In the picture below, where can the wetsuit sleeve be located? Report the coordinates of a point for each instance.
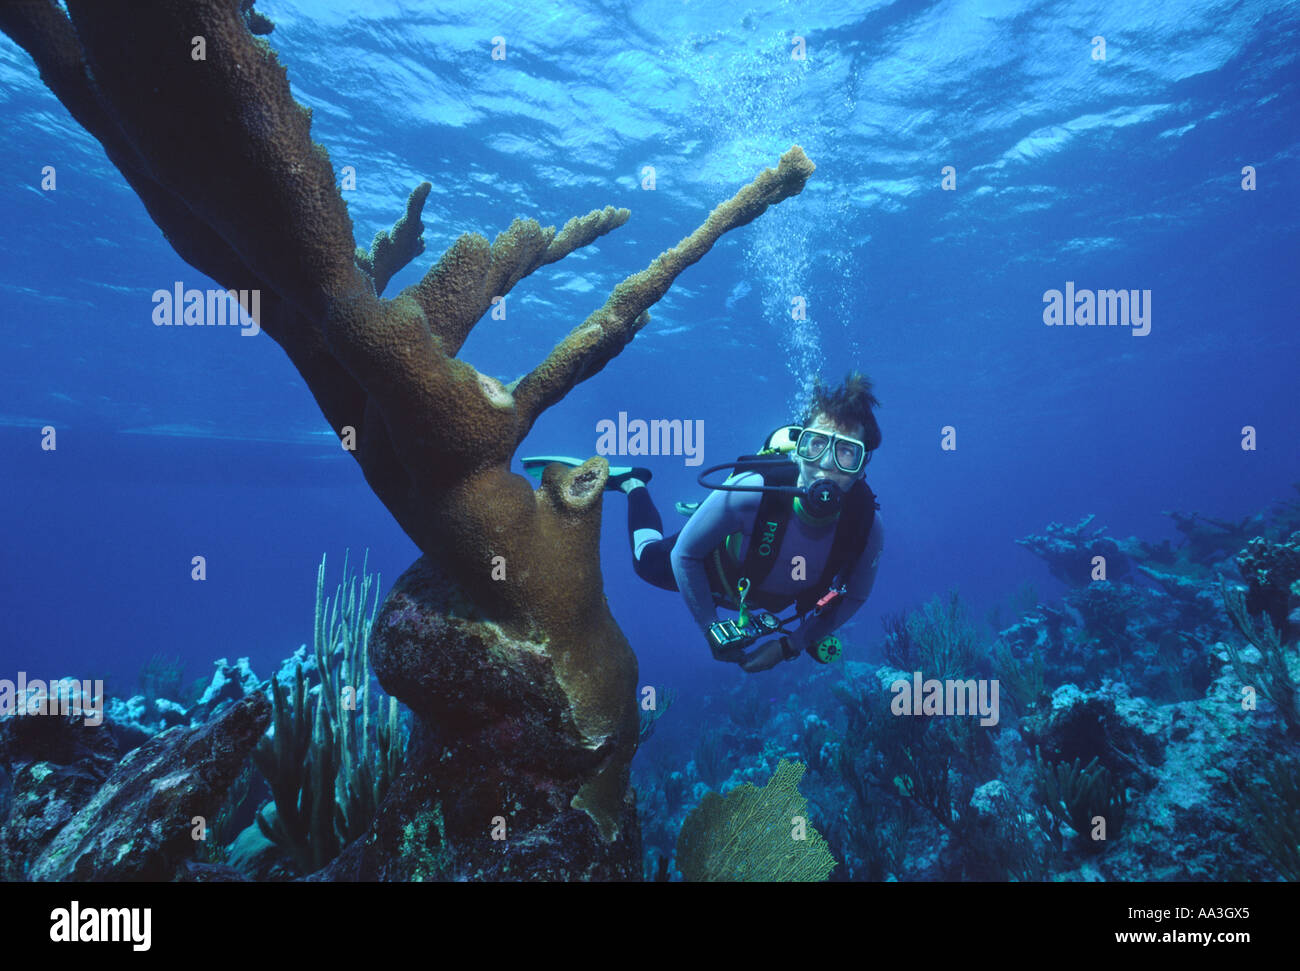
(720, 515)
(858, 588)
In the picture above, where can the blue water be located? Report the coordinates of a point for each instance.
(1123, 173)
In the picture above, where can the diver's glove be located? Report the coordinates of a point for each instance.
(769, 654)
(731, 655)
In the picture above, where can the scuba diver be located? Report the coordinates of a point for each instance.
(793, 525)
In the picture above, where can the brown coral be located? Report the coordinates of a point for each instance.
(222, 157)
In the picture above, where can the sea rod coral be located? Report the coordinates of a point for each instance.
(522, 681)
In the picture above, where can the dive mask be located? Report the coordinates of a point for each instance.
(848, 454)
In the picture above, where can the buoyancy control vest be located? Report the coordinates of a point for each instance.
(852, 529)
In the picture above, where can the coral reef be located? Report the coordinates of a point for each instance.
(1196, 781)
(49, 769)
(513, 744)
(906, 776)
(162, 677)
(229, 683)
(1270, 571)
(1207, 540)
(1023, 684)
(224, 162)
(1068, 552)
(342, 757)
(1275, 823)
(138, 825)
(945, 643)
(1155, 640)
(1273, 669)
(1284, 517)
(898, 647)
(1107, 610)
(1085, 799)
(866, 828)
(1104, 724)
(710, 758)
(52, 767)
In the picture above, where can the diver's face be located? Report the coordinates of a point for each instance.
(824, 467)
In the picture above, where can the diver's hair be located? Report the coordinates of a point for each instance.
(849, 404)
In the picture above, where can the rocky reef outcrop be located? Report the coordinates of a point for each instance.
(75, 812)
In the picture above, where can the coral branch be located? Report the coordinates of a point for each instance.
(392, 250)
(591, 345)
(459, 289)
(251, 174)
(581, 230)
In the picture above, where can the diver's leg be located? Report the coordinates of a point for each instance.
(651, 552)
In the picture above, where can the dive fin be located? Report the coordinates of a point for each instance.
(535, 465)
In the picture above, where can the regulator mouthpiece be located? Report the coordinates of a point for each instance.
(824, 498)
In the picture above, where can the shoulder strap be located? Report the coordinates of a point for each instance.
(727, 568)
(854, 528)
(770, 524)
